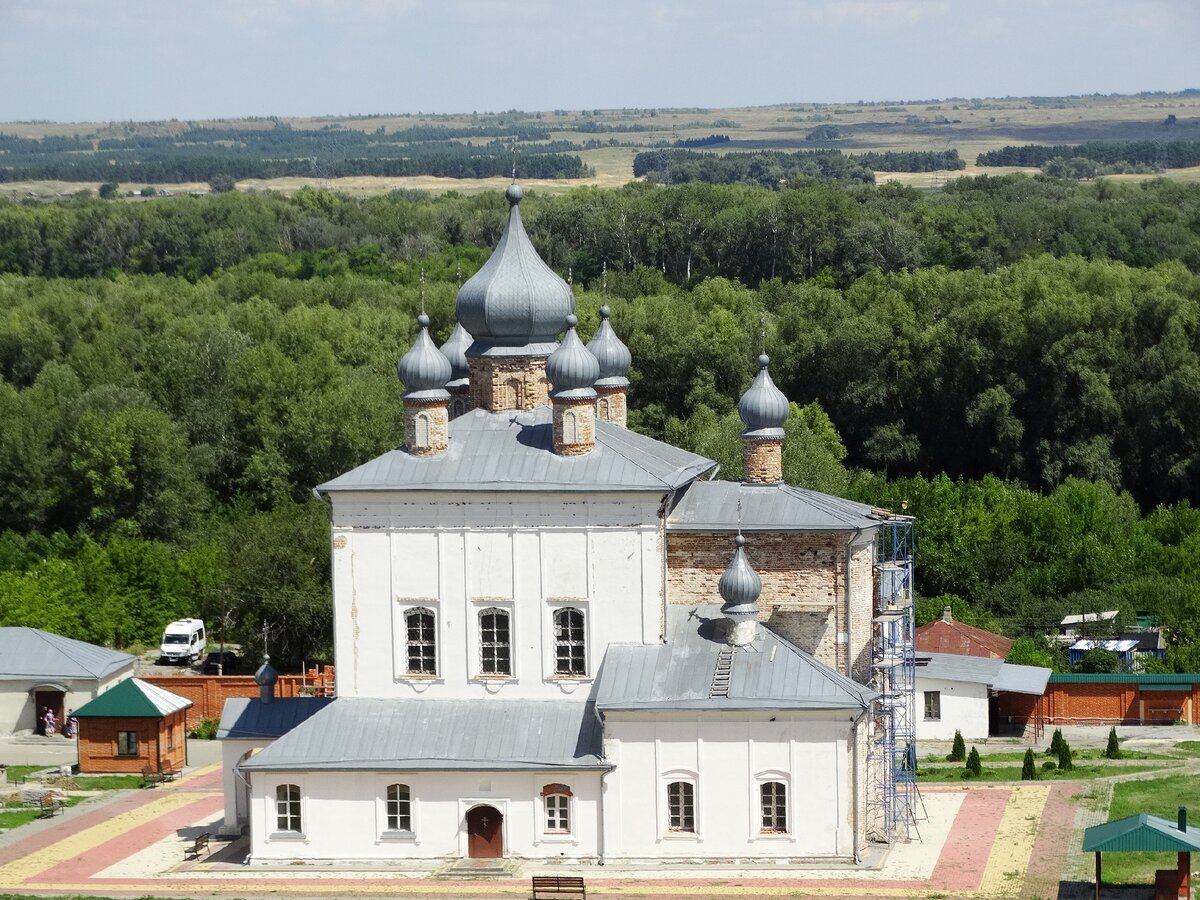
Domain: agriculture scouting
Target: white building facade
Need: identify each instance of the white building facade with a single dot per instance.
(524, 667)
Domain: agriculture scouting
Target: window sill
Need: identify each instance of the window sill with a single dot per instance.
(558, 837)
(680, 836)
(397, 837)
(288, 836)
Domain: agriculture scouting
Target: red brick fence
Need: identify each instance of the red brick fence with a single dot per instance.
(208, 693)
(1109, 700)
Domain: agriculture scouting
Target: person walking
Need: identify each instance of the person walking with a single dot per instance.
(51, 722)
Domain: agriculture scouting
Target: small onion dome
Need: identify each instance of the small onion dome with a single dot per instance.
(455, 350)
(740, 586)
(571, 369)
(763, 407)
(515, 304)
(266, 674)
(423, 369)
(613, 355)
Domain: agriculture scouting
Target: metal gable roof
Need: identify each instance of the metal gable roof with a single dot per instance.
(367, 734)
(770, 674)
(713, 506)
(248, 718)
(133, 699)
(30, 653)
(513, 451)
(1141, 832)
(986, 670)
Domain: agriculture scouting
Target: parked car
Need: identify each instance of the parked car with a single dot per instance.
(221, 662)
(183, 641)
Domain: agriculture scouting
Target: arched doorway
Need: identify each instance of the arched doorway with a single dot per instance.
(485, 836)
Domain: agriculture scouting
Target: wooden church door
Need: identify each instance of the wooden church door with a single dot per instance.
(485, 837)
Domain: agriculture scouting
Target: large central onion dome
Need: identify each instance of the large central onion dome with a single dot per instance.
(515, 305)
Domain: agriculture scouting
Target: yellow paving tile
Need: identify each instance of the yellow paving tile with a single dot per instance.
(1008, 862)
(17, 872)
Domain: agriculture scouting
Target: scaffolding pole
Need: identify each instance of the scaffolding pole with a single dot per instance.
(892, 795)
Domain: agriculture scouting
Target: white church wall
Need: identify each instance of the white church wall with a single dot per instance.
(456, 557)
(344, 815)
(963, 706)
(233, 785)
(727, 759)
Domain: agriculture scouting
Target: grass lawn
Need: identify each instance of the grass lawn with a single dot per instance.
(1081, 772)
(1159, 797)
(13, 815)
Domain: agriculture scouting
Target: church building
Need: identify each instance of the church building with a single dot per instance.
(558, 638)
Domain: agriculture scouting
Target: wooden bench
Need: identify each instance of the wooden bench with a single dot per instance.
(150, 776)
(198, 846)
(557, 885)
(49, 805)
(169, 772)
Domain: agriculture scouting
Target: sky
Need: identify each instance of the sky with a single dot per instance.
(112, 60)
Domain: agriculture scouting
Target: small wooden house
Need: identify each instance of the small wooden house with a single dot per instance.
(134, 727)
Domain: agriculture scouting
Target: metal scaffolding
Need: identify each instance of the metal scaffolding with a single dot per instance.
(892, 795)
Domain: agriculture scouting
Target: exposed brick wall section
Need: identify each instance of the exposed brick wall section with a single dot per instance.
(157, 739)
(583, 437)
(762, 461)
(804, 587)
(611, 405)
(431, 439)
(1106, 703)
(460, 400)
(208, 693)
(501, 384)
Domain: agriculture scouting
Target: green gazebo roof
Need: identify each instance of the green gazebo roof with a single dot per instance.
(133, 699)
(1141, 832)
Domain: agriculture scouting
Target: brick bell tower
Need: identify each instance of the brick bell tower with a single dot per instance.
(763, 409)
(514, 308)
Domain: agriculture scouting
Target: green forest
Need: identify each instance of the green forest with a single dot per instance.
(1017, 358)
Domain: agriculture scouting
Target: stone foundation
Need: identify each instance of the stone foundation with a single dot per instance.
(504, 383)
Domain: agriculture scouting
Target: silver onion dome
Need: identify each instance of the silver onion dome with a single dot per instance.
(266, 674)
(571, 369)
(455, 350)
(611, 353)
(740, 585)
(515, 304)
(423, 369)
(763, 407)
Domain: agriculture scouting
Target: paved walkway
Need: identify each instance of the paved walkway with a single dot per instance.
(979, 841)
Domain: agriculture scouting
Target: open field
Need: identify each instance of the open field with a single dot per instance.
(613, 137)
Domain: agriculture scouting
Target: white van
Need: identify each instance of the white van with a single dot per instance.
(183, 641)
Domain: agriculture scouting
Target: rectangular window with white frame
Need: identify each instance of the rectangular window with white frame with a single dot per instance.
(681, 807)
(570, 642)
(420, 642)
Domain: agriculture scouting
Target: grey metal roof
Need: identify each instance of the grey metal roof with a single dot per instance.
(248, 718)
(367, 734)
(986, 670)
(513, 451)
(30, 653)
(515, 304)
(772, 673)
(1022, 679)
(713, 506)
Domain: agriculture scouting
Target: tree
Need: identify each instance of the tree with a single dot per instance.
(222, 184)
(974, 763)
(1099, 661)
(1028, 769)
(1064, 757)
(1056, 742)
(1113, 750)
(958, 750)
(109, 190)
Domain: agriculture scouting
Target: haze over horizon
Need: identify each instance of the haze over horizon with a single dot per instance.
(80, 60)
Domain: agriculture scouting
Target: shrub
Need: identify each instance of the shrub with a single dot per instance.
(1056, 742)
(967, 774)
(1113, 750)
(1064, 757)
(1049, 765)
(973, 762)
(1028, 771)
(958, 750)
(205, 730)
